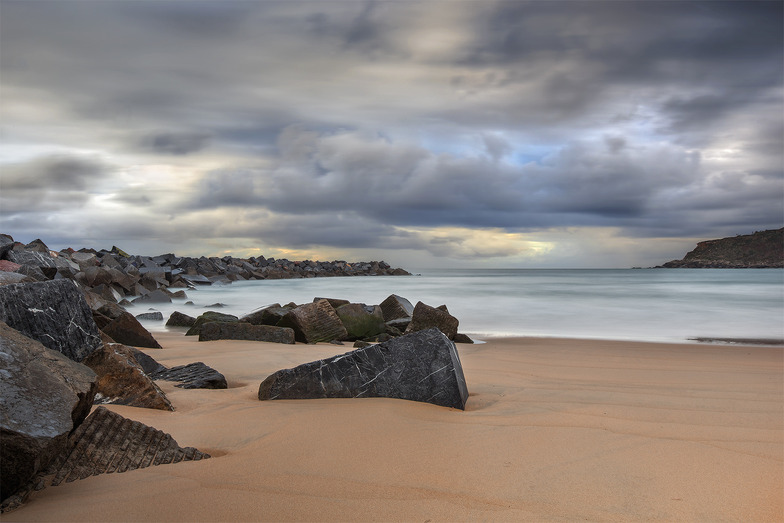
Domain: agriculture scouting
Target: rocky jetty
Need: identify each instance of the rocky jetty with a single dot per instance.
(422, 366)
(761, 250)
(116, 275)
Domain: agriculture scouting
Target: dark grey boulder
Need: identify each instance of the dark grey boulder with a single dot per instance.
(245, 331)
(360, 323)
(41, 260)
(178, 319)
(6, 244)
(426, 317)
(52, 312)
(208, 317)
(462, 338)
(193, 376)
(314, 322)
(151, 316)
(7, 278)
(395, 307)
(127, 330)
(122, 381)
(422, 366)
(44, 397)
(146, 362)
(155, 296)
(267, 316)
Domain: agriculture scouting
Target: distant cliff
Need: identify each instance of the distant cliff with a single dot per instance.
(763, 249)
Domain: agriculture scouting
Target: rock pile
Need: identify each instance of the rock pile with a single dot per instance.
(116, 275)
(324, 320)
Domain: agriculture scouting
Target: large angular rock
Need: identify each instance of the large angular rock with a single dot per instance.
(105, 443)
(426, 317)
(122, 381)
(6, 244)
(216, 330)
(178, 319)
(396, 307)
(193, 376)
(127, 330)
(42, 260)
(208, 317)
(45, 395)
(52, 312)
(360, 323)
(314, 322)
(423, 366)
(269, 315)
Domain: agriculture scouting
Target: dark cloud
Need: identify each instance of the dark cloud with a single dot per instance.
(175, 143)
(362, 124)
(51, 183)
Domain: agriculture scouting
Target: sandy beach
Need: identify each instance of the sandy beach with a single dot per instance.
(554, 430)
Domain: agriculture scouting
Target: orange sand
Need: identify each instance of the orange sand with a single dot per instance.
(554, 429)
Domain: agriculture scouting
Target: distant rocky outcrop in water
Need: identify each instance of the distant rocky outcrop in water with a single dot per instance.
(761, 250)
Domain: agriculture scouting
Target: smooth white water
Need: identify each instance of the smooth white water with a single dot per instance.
(632, 304)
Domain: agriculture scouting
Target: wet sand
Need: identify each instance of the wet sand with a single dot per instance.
(554, 430)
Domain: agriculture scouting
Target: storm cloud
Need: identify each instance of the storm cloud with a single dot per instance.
(463, 130)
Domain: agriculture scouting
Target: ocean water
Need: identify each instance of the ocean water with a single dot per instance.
(628, 304)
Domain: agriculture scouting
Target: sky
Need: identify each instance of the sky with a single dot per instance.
(425, 133)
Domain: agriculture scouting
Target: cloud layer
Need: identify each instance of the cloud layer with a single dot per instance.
(500, 132)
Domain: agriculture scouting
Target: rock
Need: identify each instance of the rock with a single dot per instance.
(268, 316)
(41, 260)
(6, 244)
(335, 302)
(359, 323)
(37, 245)
(426, 317)
(178, 319)
(9, 266)
(145, 361)
(208, 317)
(122, 381)
(398, 326)
(84, 259)
(52, 312)
(193, 376)
(396, 307)
(151, 316)
(7, 278)
(45, 395)
(359, 344)
(155, 296)
(245, 331)
(462, 338)
(127, 330)
(314, 322)
(422, 366)
(105, 443)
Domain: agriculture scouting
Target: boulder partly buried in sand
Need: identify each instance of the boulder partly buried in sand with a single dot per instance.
(245, 331)
(192, 376)
(422, 366)
(54, 313)
(45, 395)
(314, 322)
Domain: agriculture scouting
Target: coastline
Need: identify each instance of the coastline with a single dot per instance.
(554, 429)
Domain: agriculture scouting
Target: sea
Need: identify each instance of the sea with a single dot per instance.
(667, 305)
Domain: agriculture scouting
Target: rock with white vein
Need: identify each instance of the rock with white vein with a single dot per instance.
(422, 366)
